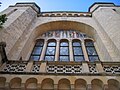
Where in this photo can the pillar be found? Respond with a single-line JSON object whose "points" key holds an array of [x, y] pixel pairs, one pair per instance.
{"points": [[105, 87], [71, 51], [57, 51], [22, 86], [89, 87], [85, 67], [99, 67], [84, 51], [43, 67], [7, 87], [55, 87], [43, 51], [29, 66]]}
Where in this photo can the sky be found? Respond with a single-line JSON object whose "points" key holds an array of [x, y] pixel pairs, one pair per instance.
{"points": [[58, 5]]}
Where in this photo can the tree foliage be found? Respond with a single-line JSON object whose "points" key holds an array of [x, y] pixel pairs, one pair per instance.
{"points": [[2, 19]]}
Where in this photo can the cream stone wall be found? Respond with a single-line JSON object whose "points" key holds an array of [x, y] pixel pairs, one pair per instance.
{"points": [[16, 29], [20, 37], [109, 23], [26, 23]]}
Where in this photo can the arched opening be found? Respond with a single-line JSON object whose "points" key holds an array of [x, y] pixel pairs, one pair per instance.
{"points": [[77, 50], [47, 84], [64, 50], [97, 84], [37, 50], [50, 50], [64, 84], [15, 83], [2, 82], [31, 83], [80, 84], [113, 85], [91, 51]]}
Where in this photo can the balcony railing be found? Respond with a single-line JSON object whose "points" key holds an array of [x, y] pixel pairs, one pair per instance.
{"points": [[62, 68]]}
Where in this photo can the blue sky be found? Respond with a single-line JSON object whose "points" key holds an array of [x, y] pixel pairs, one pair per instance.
{"points": [[59, 5]]}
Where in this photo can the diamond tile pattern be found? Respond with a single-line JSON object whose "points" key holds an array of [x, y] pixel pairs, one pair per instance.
{"points": [[115, 69], [15, 67], [64, 69]]}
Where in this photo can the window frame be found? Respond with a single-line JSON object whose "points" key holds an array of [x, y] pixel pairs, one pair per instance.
{"points": [[78, 47], [50, 40], [94, 50], [39, 55], [68, 56]]}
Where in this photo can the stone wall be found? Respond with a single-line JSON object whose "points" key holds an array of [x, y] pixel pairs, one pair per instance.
{"points": [[108, 19], [16, 29]]}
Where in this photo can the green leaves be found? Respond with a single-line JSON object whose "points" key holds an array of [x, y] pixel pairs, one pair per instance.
{"points": [[2, 19]]}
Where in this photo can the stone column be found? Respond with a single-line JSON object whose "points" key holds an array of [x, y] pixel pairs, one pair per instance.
{"points": [[57, 51], [55, 87], [72, 87], [99, 67], [38, 86], [84, 51], [2, 67], [105, 87], [29, 66], [89, 87], [7, 86], [85, 67], [43, 67], [43, 51], [22, 86], [71, 51]]}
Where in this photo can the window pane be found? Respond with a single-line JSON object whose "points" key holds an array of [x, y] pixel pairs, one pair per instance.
{"points": [[51, 44], [63, 50], [76, 44], [91, 51], [63, 44], [49, 58], [35, 58], [39, 43], [37, 50], [89, 43], [50, 51], [79, 58], [64, 58], [93, 58], [78, 51]]}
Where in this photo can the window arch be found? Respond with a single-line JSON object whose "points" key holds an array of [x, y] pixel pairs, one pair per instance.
{"points": [[64, 50], [77, 50], [35, 55], [64, 46], [50, 51], [91, 51]]}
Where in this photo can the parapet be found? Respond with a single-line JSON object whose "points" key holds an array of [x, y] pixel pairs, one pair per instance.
{"points": [[96, 5], [33, 5]]}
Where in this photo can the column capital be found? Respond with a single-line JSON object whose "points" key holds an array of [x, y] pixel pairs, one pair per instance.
{"points": [[58, 40], [70, 40], [89, 87]]}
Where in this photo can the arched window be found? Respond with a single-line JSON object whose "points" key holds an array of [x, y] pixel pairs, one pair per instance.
{"points": [[50, 51], [37, 50], [92, 54], [77, 51], [64, 51]]}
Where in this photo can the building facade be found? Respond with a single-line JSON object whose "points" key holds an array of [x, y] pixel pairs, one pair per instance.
{"points": [[60, 50]]}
